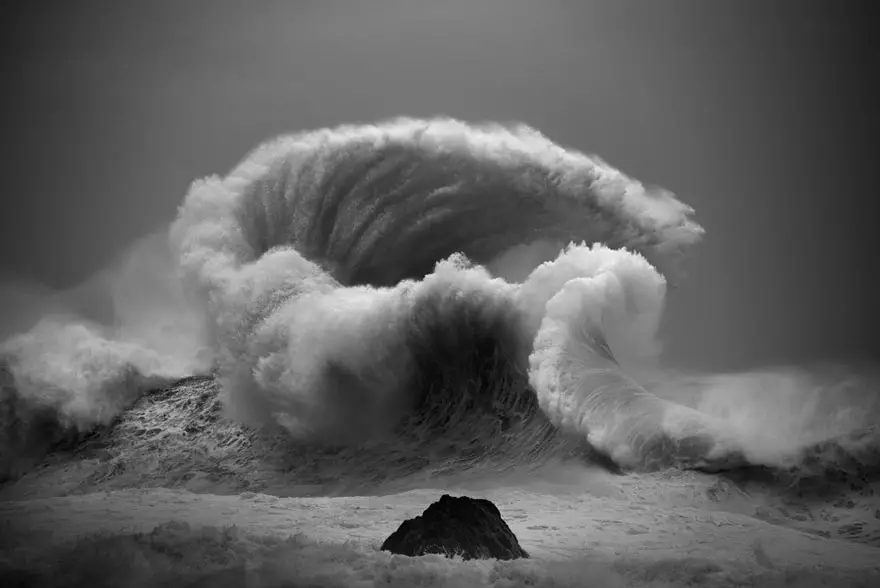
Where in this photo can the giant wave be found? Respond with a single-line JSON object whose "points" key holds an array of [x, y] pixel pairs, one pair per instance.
{"points": [[466, 290]]}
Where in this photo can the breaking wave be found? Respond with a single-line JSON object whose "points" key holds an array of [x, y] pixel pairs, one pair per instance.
{"points": [[465, 289]]}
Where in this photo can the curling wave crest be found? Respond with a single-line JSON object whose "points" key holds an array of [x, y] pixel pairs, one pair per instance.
{"points": [[467, 290]]}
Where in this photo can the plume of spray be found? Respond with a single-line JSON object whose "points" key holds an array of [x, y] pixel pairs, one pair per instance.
{"points": [[73, 359], [807, 419], [599, 311], [596, 372]]}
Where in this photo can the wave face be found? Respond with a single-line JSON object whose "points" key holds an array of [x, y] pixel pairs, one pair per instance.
{"points": [[465, 291]]}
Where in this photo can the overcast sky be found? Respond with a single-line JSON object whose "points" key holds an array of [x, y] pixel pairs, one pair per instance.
{"points": [[759, 114]]}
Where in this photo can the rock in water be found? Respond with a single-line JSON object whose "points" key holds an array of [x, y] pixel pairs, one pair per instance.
{"points": [[471, 528]]}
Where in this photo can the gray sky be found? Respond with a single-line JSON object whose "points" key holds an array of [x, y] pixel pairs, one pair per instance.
{"points": [[759, 114]]}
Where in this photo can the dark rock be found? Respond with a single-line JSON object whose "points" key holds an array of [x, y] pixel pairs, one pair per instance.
{"points": [[471, 528]]}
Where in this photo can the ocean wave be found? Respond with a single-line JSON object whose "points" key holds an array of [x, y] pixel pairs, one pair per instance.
{"points": [[465, 289], [344, 270]]}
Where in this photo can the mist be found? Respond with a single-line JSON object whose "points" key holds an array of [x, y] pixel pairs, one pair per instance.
{"points": [[74, 359]]}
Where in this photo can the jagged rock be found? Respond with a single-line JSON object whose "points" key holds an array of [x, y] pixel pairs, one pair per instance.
{"points": [[471, 528]]}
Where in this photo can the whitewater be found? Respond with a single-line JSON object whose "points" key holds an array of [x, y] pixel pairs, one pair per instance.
{"points": [[417, 299]]}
